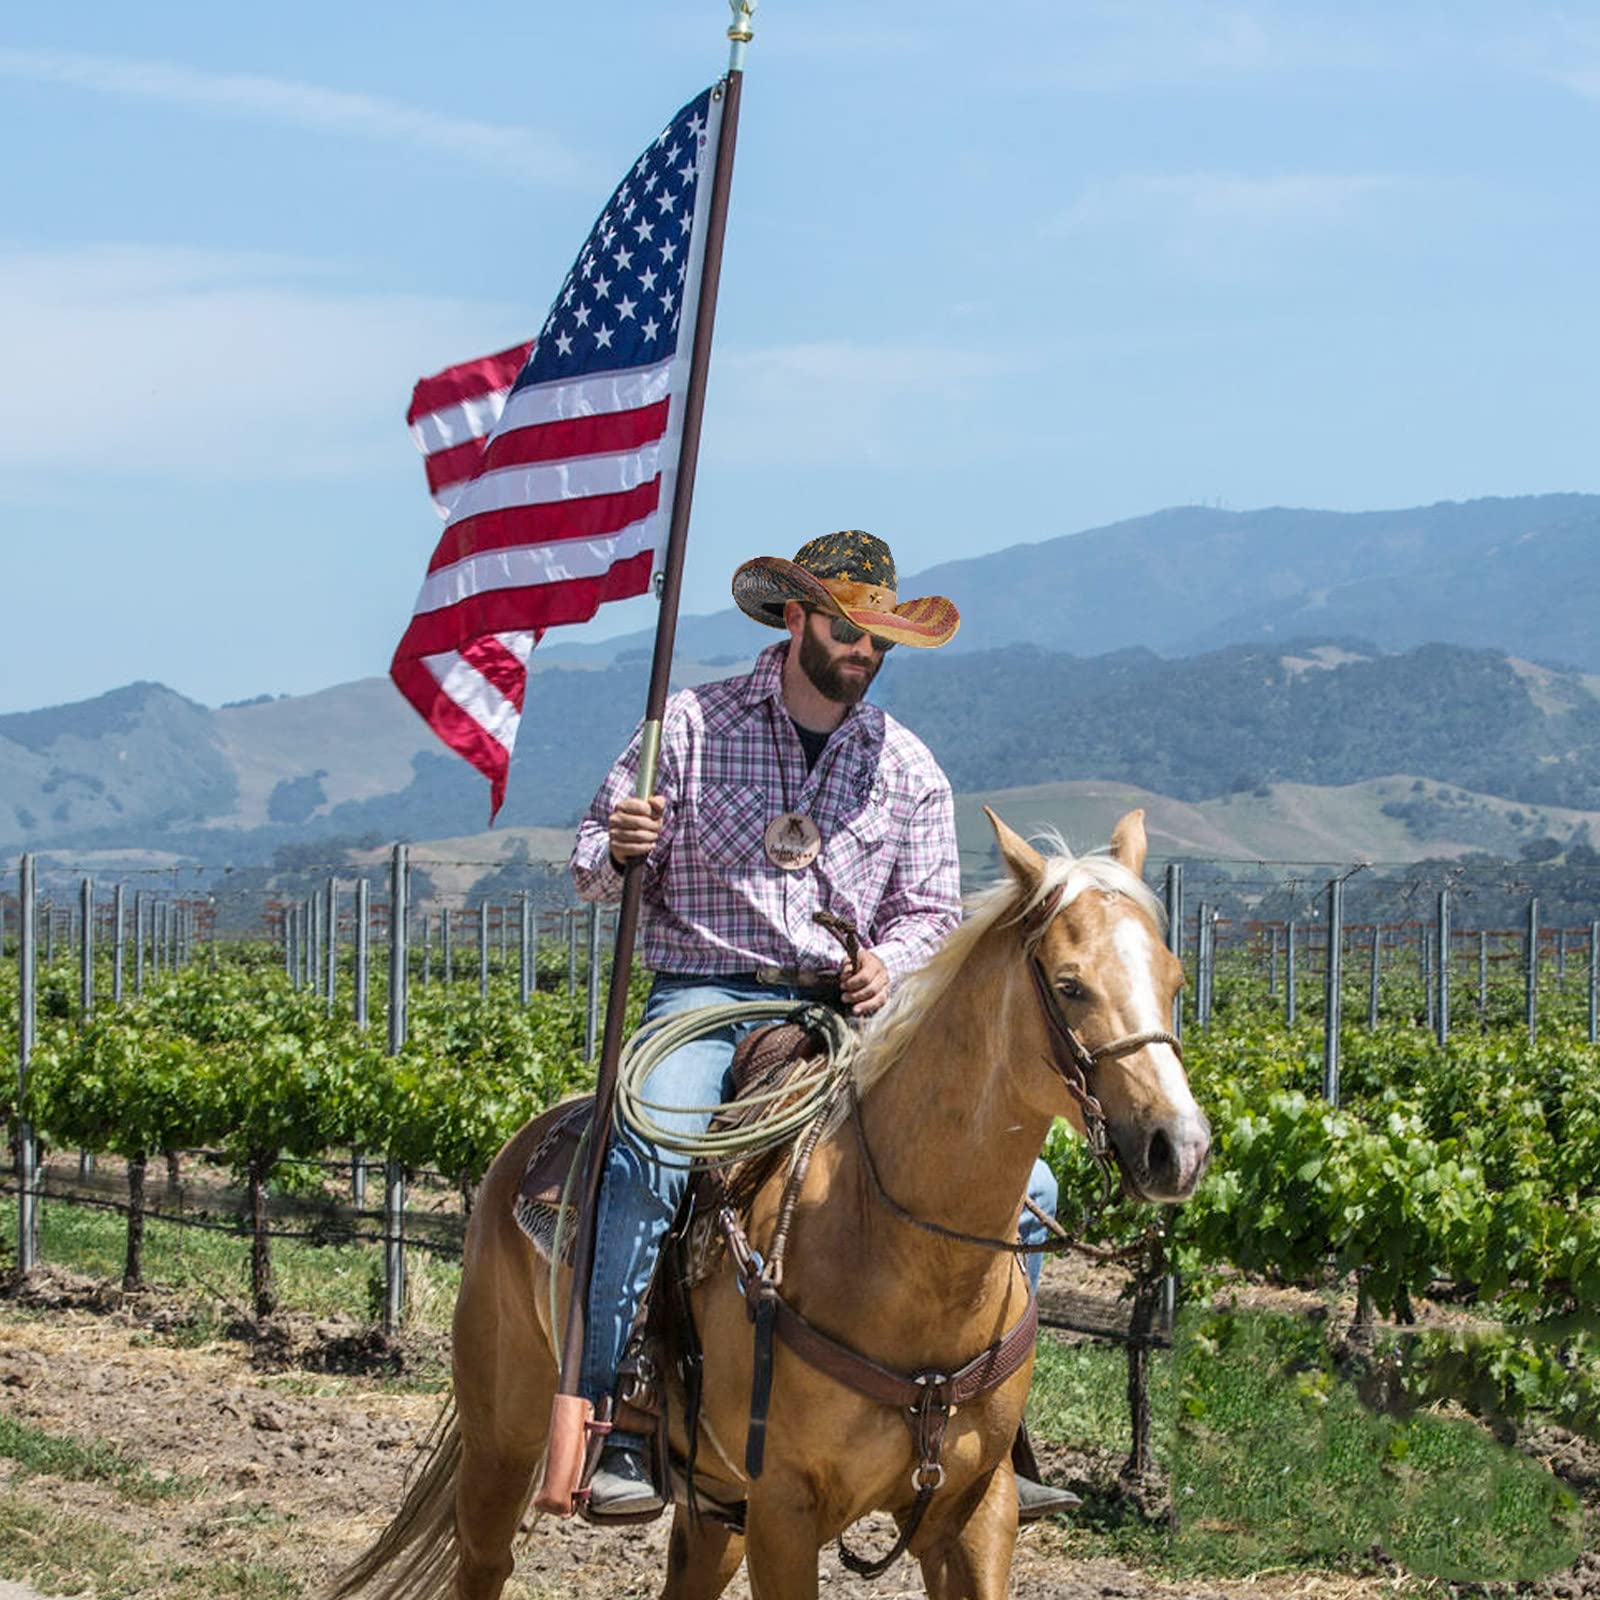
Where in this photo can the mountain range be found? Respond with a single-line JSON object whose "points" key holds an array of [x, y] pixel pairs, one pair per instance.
{"points": [[1431, 667], [1521, 575]]}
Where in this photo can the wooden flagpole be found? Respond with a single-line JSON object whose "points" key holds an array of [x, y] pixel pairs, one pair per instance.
{"points": [[570, 1412]]}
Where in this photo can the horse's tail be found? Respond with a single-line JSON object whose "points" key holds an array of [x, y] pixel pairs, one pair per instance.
{"points": [[423, 1530]]}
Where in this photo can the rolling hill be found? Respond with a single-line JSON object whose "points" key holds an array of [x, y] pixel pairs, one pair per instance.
{"points": [[1250, 750]]}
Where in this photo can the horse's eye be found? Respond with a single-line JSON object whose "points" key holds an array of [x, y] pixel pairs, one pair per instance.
{"points": [[1069, 989]]}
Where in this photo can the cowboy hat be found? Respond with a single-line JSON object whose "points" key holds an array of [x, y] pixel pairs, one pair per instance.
{"points": [[849, 575]]}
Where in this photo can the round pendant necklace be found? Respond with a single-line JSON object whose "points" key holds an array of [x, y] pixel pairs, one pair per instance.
{"points": [[792, 841]]}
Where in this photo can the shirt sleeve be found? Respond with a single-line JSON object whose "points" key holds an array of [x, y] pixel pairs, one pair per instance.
{"points": [[921, 906], [595, 875]]}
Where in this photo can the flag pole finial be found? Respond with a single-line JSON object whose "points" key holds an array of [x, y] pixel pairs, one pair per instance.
{"points": [[741, 32]]}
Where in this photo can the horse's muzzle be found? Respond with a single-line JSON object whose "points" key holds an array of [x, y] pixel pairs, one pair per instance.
{"points": [[1164, 1161]]}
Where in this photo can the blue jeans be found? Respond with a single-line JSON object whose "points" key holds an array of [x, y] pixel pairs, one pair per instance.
{"points": [[642, 1186]]}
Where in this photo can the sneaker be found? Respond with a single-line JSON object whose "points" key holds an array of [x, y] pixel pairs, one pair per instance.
{"points": [[621, 1485], [1035, 1500]]}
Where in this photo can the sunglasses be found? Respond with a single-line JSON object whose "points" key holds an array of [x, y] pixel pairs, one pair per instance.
{"points": [[842, 632]]}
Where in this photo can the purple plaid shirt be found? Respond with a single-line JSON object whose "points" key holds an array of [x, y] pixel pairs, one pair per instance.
{"points": [[730, 762]]}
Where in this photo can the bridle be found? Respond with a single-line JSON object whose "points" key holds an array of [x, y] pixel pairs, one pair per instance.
{"points": [[1072, 1060], [1074, 1063]]}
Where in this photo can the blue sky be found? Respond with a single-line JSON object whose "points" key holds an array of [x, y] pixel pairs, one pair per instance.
{"points": [[994, 274]]}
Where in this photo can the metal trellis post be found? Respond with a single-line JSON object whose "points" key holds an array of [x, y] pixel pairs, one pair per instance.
{"points": [[27, 964], [483, 950], [1533, 968], [1442, 1009], [1333, 993], [86, 950], [394, 1187], [330, 922], [361, 975], [1175, 934], [527, 950], [1372, 978], [1594, 983], [1289, 942], [118, 944]]}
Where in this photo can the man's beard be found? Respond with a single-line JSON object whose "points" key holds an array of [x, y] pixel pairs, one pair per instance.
{"points": [[843, 688]]}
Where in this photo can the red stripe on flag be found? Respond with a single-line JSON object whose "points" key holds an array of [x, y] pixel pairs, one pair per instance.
{"points": [[453, 725], [455, 464], [539, 606], [602, 435], [498, 665], [468, 381], [595, 517]]}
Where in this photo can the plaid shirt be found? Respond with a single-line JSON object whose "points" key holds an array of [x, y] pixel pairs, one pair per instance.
{"points": [[730, 762]]}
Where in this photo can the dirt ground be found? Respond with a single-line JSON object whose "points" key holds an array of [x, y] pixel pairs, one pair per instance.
{"points": [[290, 1453]]}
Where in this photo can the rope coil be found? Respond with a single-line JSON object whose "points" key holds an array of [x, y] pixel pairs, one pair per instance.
{"points": [[803, 1097]]}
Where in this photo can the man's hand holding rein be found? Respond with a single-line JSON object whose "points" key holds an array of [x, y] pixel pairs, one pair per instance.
{"points": [[864, 988]]}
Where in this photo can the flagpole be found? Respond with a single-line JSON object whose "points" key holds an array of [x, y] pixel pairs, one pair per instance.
{"points": [[570, 1412]]}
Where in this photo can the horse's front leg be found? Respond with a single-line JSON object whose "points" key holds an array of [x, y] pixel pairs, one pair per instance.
{"points": [[782, 1539], [969, 1557], [702, 1557]]}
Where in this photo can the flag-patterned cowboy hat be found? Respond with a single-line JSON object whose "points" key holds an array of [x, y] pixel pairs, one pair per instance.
{"points": [[849, 575]]}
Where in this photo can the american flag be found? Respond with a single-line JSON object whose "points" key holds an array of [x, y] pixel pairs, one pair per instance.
{"points": [[555, 462]]}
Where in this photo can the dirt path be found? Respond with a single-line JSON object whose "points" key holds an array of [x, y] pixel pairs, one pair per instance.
{"points": [[258, 1465]]}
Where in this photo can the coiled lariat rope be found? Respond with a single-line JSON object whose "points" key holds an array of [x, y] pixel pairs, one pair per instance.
{"points": [[788, 1109], [812, 1091]]}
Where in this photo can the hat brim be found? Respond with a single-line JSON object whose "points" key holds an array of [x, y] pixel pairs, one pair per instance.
{"points": [[762, 587]]}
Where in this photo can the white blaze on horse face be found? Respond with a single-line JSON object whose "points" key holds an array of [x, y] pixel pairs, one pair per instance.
{"points": [[1137, 952]]}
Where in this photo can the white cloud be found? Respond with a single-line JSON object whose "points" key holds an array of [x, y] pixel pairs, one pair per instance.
{"points": [[516, 151], [203, 365]]}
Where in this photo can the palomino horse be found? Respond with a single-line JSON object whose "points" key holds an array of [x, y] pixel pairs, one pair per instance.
{"points": [[956, 1094]]}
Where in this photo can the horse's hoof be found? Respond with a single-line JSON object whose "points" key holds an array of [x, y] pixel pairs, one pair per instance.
{"points": [[1035, 1500]]}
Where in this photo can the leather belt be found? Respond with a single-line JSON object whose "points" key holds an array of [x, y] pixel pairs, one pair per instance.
{"points": [[790, 978]]}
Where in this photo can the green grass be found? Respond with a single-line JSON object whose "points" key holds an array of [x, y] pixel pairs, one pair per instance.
{"points": [[63, 1553], [320, 1280], [1274, 1462], [56, 1455]]}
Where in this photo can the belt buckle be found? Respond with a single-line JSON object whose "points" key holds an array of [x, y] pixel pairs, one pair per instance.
{"points": [[769, 975]]}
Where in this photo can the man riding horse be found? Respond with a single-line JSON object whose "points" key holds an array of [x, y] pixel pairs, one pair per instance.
{"points": [[782, 793]]}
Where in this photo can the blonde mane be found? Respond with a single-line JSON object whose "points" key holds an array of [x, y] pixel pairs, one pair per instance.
{"points": [[885, 1042]]}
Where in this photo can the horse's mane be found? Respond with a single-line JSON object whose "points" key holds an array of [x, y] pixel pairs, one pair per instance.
{"points": [[885, 1042]]}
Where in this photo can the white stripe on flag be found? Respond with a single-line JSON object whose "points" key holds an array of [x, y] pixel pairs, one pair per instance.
{"points": [[453, 425], [523, 566], [627, 390], [476, 696], [543, 483]]}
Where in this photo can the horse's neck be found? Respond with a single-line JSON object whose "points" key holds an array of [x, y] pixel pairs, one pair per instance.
{"points": [[951, 1135]]}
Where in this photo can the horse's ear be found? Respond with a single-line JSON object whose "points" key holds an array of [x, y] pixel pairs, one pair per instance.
{"points": [[1025, 863], [1128, 842]]}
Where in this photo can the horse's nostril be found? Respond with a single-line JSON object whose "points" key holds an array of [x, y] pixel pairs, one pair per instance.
{"points": [[1158, 1155]]}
